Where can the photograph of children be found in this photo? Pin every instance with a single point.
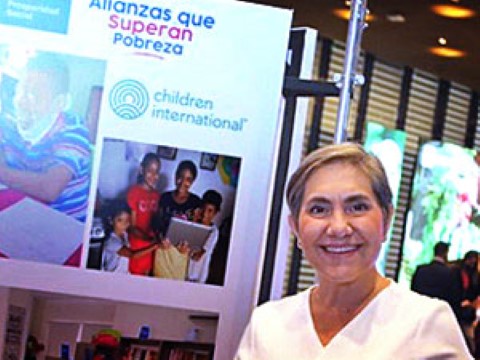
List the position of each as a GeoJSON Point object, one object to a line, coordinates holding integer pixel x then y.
{"type": "Point", "coordinates": [49, 106]}
{"type": "Point", "coordinates": [160, 213]}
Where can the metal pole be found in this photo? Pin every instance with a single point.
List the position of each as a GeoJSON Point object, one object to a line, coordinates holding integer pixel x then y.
{"type": "Point", "coordinates": [356, 26]}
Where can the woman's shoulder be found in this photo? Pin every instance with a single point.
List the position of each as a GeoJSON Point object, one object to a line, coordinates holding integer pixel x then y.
{"type": "Point", "coordinates": [166, 195]}
{"type": "Point", "coordinates": [288, 306]}
{"type": "Point", "coordinates": [405, 300]}
{"type": "Point", "coordinates": [194, 198]}
{"type": "Point", "coordinates": [415, 316]}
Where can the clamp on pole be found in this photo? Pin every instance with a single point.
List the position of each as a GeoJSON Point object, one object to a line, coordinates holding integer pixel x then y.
{"type": "Point", "coordinates": [348, 79]}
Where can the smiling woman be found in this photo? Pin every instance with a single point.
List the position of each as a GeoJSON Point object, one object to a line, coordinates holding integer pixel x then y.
{"type": "Point", "coordinates": [340, 226]}
{"type": "Point", "coordinates": [341, 207]}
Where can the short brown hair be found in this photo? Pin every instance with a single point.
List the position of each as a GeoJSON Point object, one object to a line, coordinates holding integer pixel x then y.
{"type": "Point", "coordinates": [350, 153]}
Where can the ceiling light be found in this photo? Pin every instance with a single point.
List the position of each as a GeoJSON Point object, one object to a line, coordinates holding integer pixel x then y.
{"type": "Point", "coordinates": [447, 52]}
{"type": "Point", "coordinates": [453, 11]}
{"type": "Point", "coordinates": [345, 14]}
{"type": "Point", "coordinates": [442, 41]}
{"type": "Point", "coordinates": [396, 18]}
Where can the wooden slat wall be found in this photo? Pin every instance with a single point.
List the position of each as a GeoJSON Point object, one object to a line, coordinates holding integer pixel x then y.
{"type": "Point", "coordinates": [384, 94]}
{"type": "Point", "coordinates": [457, 114]}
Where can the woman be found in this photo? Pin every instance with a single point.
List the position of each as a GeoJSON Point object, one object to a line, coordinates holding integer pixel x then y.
{"type": "Point", "coordinates": [179, 202]}
{"type": "Point", "coordinates": [468, 277]}
{"type": "Point", "coordinates": [341, 207]}
{"type": "Point", "coordinates": [172, 262]}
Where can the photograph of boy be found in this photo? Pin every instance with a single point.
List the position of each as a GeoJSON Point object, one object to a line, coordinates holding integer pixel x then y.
{"type": "Point", "coordinates": [46, 149]}
{"type": "Point", "coordinates": [199, 263]}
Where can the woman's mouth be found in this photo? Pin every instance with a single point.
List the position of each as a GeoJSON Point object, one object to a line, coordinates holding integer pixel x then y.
{"type": "Point", "coordinates": [343, 249]}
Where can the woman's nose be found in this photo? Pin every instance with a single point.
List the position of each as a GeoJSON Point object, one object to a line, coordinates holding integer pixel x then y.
{"type": "Point", "coordinates": [339, 225]}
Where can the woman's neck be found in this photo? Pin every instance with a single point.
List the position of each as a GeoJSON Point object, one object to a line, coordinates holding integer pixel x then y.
{"type": "Point", "coordinates": [349, 296]}
{"type": "Point", "coordinates": [180, 197]}
{"type": "Point", "coordinates": [334, 305]}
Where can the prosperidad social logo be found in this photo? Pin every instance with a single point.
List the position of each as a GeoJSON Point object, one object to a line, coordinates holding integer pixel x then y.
{"type": "Point", "coordinates": [129, 99]}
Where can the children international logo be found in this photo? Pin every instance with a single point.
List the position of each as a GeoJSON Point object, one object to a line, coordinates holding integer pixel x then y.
{"type": "Point", "coordinates": [129, 99]}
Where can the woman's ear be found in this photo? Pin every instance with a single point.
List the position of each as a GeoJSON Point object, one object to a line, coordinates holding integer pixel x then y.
{"type": "Point", "coordinates": [294, 227]}
{"type": "Point", "coordinates": [388, 221]}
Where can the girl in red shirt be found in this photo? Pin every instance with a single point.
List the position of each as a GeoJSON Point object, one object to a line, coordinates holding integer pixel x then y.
{"type": "Point", "coordinates": [143, 200]}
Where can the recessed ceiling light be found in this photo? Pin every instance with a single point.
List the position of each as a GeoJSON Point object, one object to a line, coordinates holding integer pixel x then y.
{"type": "Point", "coordinates": [453, 11]}
{"type": "Point", "coordinates": [396, 18]}
{"type": "Point", "coordinates": [345, 14]}
{"type": "Point", "coordinates": [442, 41]}
{"type": "Point", "coordinates": [447, 52]}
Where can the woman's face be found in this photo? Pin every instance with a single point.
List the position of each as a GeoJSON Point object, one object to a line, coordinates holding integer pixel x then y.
{"type": "Point", "coordinates": [151, 174]}
{"type": "Point", "coordinates": [184, 181]}
{"type": "Point", "coordinates": [340, 225]}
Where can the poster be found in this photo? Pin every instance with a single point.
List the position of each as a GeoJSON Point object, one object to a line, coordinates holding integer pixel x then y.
{"type": "Point", "coordinates": [185, 80]}
{"type": "Point", "coordinates": [171, 75]}
{"type": "Point", "coordinates": [48, 119]}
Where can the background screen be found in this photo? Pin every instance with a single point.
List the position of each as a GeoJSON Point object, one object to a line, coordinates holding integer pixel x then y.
{"type": "Point", "coordinates": [443, 206]}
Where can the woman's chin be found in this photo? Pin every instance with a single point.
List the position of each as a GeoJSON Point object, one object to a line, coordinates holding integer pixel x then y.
{"type": "Point", "coordinates": [182, 192]}
{"type": "Point", "coordinates": [341, 274]}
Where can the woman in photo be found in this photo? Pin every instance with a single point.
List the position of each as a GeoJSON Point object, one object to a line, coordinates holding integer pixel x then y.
{"type": "Point", "coordinates": [180, 202]}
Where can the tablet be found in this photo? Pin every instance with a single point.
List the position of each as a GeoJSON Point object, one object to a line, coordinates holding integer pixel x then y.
{"type": "Point", "coordinates": [181, 230]}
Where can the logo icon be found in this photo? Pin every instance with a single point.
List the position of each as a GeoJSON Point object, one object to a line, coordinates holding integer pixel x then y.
{"type": "Point", "coordinates": [129, 99]}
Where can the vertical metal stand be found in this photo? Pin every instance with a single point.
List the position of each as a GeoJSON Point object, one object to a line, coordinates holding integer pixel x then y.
{"type": "Point", "coordinates": [356, 26]}
{"type": "Point", "coordinates": [293, 88]}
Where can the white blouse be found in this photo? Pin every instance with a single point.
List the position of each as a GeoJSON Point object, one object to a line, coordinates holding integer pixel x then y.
{"type": "Point", "coordinates": [396, 324]}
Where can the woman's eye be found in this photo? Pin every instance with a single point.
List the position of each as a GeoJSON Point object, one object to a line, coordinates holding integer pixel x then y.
{"type": "Point", "coordinates": [358, 208]}
{"type": "Point", "coordinates": [318, 210]}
